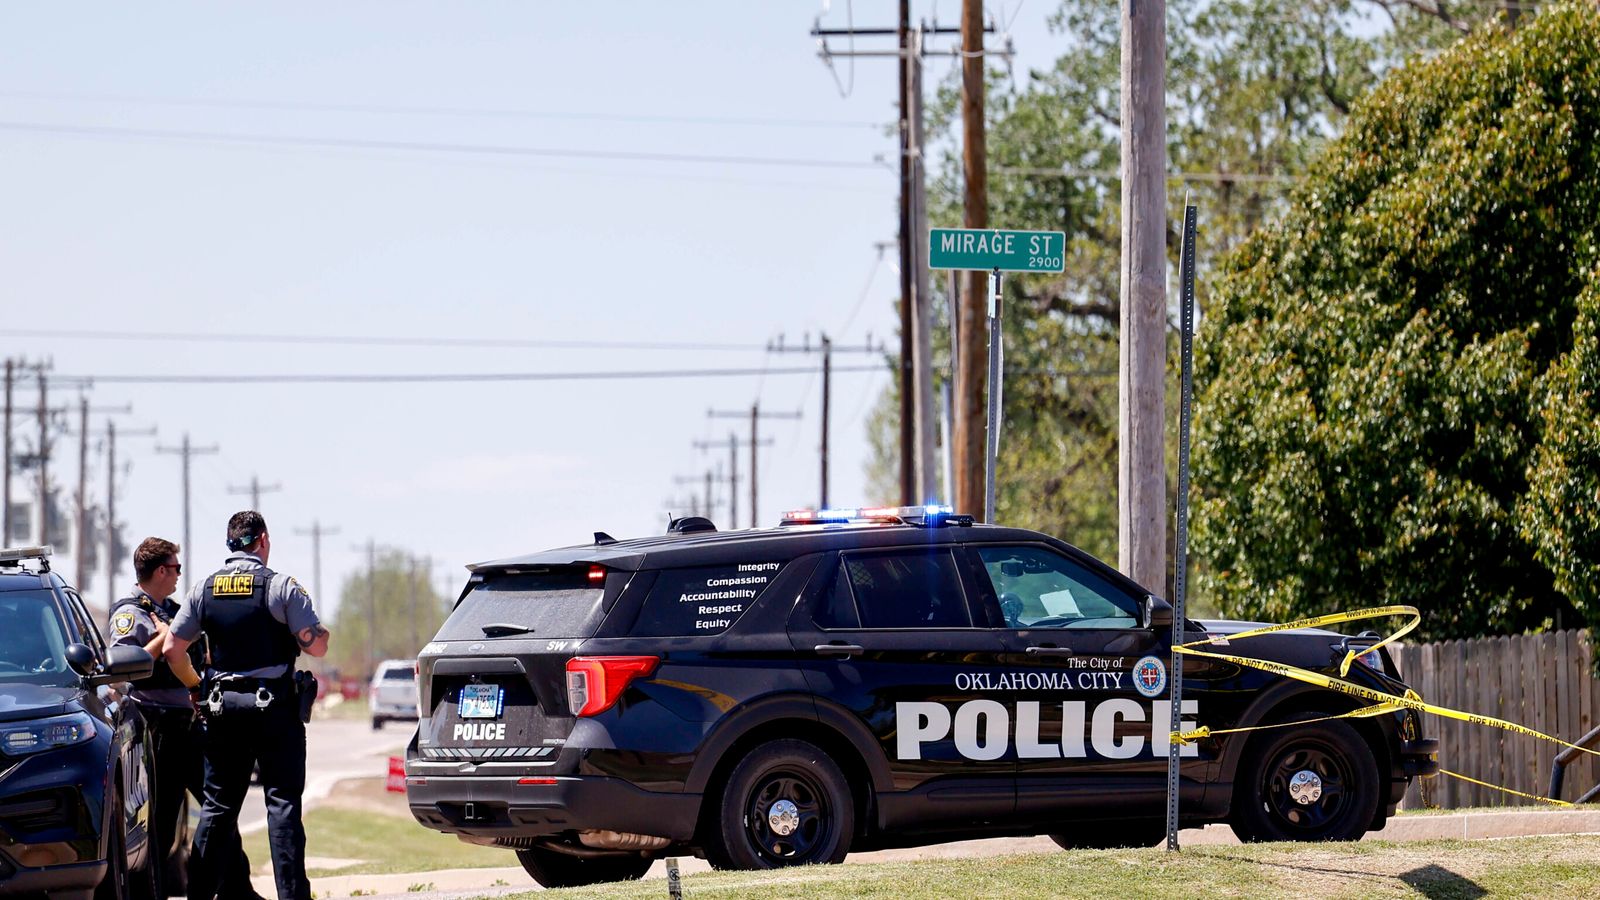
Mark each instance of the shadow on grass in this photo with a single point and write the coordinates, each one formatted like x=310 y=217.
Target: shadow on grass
x=1438 y=882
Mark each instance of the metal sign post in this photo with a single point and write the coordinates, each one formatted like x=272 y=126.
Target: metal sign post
x=1180 y=581
x=997 y=250
x=996 y=385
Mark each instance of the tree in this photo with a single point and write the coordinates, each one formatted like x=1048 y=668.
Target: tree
x=405 y=608
x=1393 y=405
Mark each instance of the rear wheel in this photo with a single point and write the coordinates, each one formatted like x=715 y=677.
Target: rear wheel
x=787 y=803
x=554 y=869
x=1315 y=782
x=1110 y=835
x=377 y=723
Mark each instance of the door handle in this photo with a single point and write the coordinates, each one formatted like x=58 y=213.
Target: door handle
x=839 y=649
x=1049 y=651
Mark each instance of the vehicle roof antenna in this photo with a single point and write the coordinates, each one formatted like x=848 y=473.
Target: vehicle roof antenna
x=600 y=537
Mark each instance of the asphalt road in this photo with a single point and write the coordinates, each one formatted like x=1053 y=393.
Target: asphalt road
x=335 y=749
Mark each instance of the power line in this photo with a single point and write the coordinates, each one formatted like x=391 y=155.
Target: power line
x=417 y=378
x=269 y=140
x=373 y=340
x=454 y=112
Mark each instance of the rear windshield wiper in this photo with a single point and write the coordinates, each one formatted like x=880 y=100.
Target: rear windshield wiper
x=502 y=629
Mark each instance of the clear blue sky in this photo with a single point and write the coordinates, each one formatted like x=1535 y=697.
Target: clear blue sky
x=106 y=231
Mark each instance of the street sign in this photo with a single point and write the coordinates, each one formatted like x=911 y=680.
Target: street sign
x=989 y=249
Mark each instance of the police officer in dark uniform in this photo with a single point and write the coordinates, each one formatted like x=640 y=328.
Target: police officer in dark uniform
x=256 y=621
x=176 y=732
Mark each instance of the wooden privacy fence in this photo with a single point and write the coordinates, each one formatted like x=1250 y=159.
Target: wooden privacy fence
x=1542 y=681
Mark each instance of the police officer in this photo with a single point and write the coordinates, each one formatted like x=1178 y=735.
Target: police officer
x=176 y=732
x=257 y=621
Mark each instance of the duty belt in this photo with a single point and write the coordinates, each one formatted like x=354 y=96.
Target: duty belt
x=241 y=684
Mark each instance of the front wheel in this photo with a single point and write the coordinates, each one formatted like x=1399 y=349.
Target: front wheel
x=553 y=869
x=787 y=803
x=1313 y=782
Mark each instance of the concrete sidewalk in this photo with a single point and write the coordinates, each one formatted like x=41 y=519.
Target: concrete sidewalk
x=457 y=884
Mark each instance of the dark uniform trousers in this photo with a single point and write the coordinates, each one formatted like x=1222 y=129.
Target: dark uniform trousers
x=237 y=740
x=178 y=736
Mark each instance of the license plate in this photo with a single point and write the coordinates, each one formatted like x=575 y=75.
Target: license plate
x=482 y=701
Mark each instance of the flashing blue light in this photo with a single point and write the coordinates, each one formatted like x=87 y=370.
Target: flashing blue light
x=934 y=510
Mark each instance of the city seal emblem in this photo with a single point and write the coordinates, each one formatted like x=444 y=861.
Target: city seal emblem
x=1149 y=676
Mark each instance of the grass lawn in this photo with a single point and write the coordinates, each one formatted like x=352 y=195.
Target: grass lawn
x=384 y=843
x=1566 y=866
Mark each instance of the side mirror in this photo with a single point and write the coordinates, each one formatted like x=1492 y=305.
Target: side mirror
x=125 y=663
x=80 y=658
x=1157 y=613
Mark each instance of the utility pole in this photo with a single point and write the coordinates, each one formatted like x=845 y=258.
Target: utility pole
x=188 y=452
x=411 y=581
x=708 y=494
x=732 y=445
x=80 y=547
x=1141 y=464
x=372 y=605
x=917 y=472
x=111 y=507
x=756 y=415
x=5 y=516
x=968 y=314
x=827 y=348
x=317 y=533
x=255 y=490
x=44 y=464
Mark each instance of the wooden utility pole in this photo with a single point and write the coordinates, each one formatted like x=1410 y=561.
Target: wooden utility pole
x=255 y=489
x=416 y=643
x=827 y=348
x=112 y=545
x=756 y=415
x=925 y=414
x=317 y=533
x=970 y=314
x=188 y=452
x=5 y=515
x=80 y=549
x=908 y=411
x=1141 y=463
x=44 y=464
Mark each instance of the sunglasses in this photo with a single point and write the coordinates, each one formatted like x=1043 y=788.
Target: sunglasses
x=177 y=568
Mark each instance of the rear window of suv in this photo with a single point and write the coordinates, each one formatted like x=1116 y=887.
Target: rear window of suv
x=702 y=599
x=559 y=603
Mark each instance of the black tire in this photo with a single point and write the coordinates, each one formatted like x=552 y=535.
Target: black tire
x=1346 y=782
x=1134 y=833
x=820 y=811
x=114 y=885
x=554 y=869
x=377 y=724
x=175 y=877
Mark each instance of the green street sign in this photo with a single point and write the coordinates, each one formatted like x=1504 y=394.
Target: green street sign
x=991 y=248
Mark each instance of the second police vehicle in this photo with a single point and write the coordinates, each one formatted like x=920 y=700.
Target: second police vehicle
x=863 y=679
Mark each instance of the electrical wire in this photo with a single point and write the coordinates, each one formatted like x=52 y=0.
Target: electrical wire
x=370 y=340
x=439 y=378
x=455 y=112
x=268 y=140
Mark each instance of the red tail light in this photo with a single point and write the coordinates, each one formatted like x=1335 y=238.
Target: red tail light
x=595 y=682
x=597 y=574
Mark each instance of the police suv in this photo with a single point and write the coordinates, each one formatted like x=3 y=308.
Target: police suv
x=861 y=679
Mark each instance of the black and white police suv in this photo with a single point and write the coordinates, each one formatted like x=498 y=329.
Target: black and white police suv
x=75 y=764
x=860 y=679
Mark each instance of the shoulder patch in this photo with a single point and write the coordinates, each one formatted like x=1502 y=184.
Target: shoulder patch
x=297 y=586
x=122 y=623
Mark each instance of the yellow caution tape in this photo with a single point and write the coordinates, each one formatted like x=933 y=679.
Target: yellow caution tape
x=1382 y=702
x=1189 y=737
x=1505 y=789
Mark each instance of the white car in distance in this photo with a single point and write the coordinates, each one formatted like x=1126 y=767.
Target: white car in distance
x=393 y=692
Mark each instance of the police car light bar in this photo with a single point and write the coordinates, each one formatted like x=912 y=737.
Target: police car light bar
x=930 y=515
x=13 y=555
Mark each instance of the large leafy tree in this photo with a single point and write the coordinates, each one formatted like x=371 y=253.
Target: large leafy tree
x=1395 y=403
